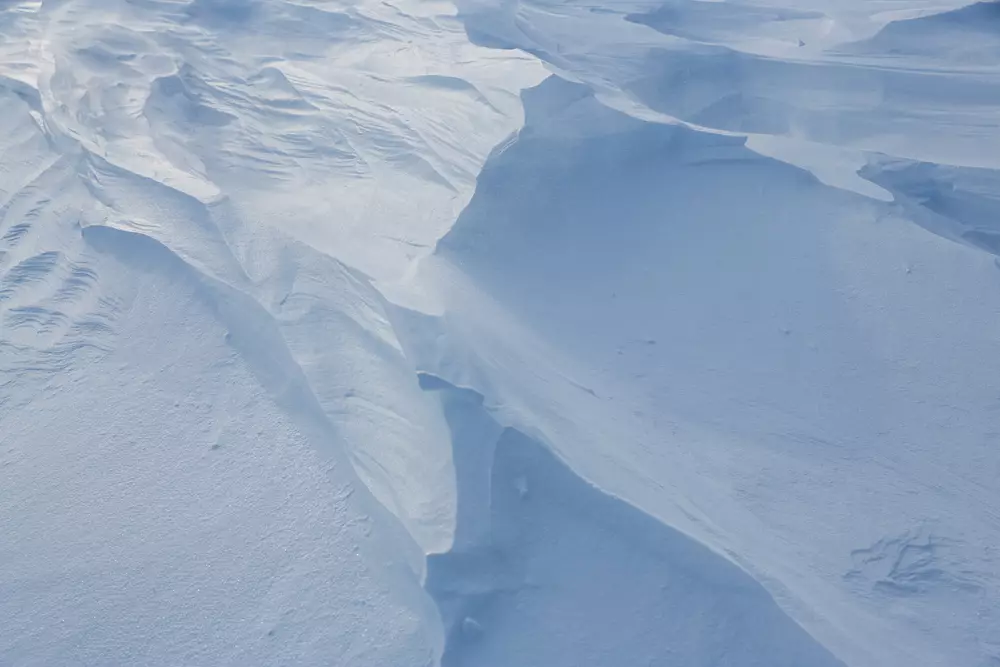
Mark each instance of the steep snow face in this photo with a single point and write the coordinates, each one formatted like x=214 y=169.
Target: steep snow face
x=546 y=569
x=822 y=84
x=329 y=332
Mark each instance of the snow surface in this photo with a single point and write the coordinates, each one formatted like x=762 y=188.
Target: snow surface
x=502 y=332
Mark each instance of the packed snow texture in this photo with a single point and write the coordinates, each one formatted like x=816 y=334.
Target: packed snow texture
x=500 y=332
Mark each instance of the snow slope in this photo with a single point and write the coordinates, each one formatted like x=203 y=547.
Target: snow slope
x=499 y=333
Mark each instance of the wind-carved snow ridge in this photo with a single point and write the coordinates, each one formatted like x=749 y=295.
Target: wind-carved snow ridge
x=823 y=85
x=336 y=332
x=257 y=140
x=203 y=405
x=718 y=338
x=548 y=569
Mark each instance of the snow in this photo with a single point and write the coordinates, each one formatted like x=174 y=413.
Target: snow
x=629 y=575
x=499 y=333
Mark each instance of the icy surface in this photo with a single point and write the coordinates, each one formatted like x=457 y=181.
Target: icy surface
x=500 y=332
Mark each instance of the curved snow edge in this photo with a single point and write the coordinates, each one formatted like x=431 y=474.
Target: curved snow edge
x=546 y=567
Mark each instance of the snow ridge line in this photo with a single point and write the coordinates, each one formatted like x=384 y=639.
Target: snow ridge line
x=255 y=335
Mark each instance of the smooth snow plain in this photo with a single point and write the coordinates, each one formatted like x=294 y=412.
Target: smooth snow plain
x=500 y=333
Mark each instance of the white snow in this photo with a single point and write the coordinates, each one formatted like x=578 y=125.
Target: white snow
x=502 y=332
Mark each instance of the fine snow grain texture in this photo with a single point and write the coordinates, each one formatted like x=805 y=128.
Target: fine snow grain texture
x=502 y=332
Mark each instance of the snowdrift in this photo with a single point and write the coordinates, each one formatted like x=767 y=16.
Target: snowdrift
x=499 y=333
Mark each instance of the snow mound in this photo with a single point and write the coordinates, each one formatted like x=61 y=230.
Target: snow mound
x=168 y=509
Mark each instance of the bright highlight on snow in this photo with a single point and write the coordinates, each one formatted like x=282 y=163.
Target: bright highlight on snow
x=500 y=333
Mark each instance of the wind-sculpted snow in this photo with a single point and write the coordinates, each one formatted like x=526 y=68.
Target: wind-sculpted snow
x=330 y=333
x=297 y=114
x=168 y=170
x=854 y=76
x=546 y=569
x=961 y=203
x=752 y=359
